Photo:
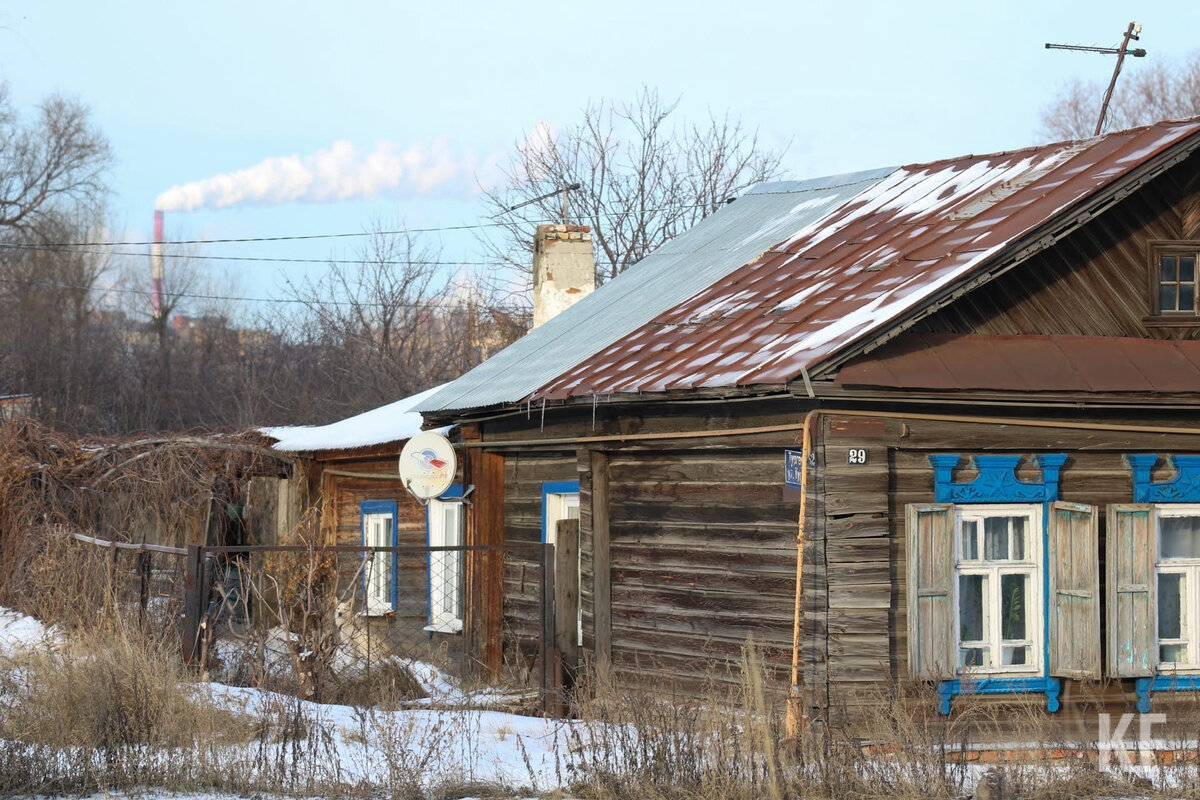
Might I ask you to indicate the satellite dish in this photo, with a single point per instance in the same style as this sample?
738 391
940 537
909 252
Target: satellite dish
428 465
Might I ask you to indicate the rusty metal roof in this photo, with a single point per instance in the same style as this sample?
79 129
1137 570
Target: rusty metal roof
735 235
1029 363
919 233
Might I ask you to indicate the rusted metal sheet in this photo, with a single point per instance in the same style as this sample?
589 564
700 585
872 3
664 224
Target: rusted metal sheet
1030 363
915 235
736 235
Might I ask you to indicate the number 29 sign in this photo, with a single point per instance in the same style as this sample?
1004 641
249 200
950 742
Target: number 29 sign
856 456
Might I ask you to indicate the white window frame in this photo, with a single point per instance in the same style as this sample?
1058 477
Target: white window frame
446 527
1031 565
377 566
1190 569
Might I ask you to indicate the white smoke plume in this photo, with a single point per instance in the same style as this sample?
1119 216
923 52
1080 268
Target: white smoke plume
341 172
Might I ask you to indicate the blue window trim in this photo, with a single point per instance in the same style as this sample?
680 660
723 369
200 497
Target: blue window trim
1144 687
380 507
554 487
1184 487
997 482
455 492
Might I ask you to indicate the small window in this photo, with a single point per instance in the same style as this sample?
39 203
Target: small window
1177 580
1174 279
999 589
445 521
378 530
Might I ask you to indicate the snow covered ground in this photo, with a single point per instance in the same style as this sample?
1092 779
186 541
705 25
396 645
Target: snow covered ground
19 633
373 746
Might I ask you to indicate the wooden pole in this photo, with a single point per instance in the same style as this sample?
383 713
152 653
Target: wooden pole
551 660
1116 72
566 602
193 603
601 571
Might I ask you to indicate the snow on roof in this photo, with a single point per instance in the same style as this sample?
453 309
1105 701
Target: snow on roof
889 251
390 423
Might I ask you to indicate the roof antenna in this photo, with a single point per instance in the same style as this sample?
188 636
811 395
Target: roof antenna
1132 32
565 188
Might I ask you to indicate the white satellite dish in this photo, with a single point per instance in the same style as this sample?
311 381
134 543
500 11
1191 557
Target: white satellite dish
428 465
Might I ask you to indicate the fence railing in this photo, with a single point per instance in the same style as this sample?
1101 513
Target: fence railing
311 612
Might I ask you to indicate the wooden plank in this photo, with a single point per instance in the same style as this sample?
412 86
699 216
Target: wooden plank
262 511
1130 564
551 659
193 601
857 428
601 559
566 599
483 622
1074 591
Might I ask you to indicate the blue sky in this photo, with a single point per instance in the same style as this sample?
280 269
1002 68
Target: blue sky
186 92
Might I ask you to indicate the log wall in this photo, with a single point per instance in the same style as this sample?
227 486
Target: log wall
862 649
341 523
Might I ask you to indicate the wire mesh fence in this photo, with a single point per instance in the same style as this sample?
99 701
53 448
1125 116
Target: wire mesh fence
342 624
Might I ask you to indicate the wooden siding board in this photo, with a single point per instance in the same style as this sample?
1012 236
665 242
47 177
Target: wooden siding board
702 553
1099 272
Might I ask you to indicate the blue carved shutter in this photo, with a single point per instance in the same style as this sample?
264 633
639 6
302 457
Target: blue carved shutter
1073 566
1131 556
930 555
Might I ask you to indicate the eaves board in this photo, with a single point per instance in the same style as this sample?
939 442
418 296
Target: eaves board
735 235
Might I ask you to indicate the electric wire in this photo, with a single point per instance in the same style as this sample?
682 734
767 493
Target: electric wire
345 235
103 290
269 259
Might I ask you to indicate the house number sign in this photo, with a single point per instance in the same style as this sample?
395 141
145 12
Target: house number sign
856 456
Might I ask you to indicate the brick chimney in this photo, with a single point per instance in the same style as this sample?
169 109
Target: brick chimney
564 269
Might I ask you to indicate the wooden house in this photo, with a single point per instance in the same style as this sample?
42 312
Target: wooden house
983 371
349 473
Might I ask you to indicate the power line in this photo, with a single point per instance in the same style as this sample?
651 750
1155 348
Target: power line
358 234
186 256
277 300
292 238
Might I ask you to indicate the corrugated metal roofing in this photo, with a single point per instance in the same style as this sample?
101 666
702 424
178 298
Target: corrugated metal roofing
904 239
735 235
1029 363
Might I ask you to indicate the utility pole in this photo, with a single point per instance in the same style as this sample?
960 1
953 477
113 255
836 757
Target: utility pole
1131 34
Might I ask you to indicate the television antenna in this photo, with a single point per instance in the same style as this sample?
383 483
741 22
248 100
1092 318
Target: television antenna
1131 34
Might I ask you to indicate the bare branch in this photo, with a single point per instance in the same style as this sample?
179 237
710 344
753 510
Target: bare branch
645 178
1145 94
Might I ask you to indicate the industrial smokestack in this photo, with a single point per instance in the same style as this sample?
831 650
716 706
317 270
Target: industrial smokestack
156 266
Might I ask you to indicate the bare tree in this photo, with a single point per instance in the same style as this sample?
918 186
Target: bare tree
50 299
383 327
52 164
644 174
1145 94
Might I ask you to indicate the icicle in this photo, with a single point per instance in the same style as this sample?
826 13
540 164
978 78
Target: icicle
593 411
543 427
